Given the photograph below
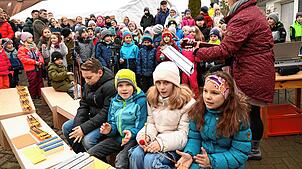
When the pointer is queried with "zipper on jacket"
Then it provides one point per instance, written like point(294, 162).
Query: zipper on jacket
point(120, 118)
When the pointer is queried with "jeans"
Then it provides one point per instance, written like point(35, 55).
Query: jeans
point(110, 146)
point(139, 159)
point(88, 141)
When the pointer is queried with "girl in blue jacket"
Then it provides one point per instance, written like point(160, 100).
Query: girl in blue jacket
point(219, 134)
point(126, 116)
point(128, 53)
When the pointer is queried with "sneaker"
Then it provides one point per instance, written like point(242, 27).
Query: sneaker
point(255, 155)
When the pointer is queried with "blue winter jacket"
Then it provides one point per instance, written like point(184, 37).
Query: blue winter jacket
point(160, 18)
point(130, 114)
point(103, 53)
point(223, 152)
point(129, 51)
point(146, 61)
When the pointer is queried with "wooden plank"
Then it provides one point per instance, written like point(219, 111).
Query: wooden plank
point(10, 105)
point(297, 76)
point(290, 84)
point(11, 130)
point(54, 98)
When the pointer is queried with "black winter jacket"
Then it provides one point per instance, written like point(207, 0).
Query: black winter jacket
point(95, 102)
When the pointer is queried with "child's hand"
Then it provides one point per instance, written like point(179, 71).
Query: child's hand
point(153, 147)
point(121, 61)
point(162, 57)
point(202, 159)
point(105, 128)
point(185, 160)
point(127, 137)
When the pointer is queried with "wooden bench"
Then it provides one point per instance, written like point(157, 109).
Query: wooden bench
point(10, 106)
point(53, 99)
point(11, 130)
point(67, 110)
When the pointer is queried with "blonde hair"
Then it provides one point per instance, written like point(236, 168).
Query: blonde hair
point(180, 97)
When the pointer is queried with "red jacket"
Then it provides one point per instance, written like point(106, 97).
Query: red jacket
point(27, 59)
point(207, 19)
point(4, 63)
point(6, 30)
point(249, 40)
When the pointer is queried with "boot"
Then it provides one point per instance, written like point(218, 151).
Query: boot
point(255, 154)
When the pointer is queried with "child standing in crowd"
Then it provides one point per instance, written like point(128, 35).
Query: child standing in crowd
point(68, 40)
point(4, 68)
point(157, 30)
point(186, 30)
point(167, 40)
point(202, 26)
point(128, 53)
point(146, 63)
point(135, 32)
point(32, 61)
point(126, 116)
point(44, 39)
point(55, 44)
point(103, 51)
point(12, 54)
point(192, 79)
point(167, 122)
point(219, 134)
point(61, 79)
point(83, 45)
point(215, 36)
point(188, 20)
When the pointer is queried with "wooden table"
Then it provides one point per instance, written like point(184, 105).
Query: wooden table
point(12, 130)
point(10, 106)
point(67, 110)
point(54, 98)
point(285, 82)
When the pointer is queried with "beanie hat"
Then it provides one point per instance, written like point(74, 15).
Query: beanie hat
point(173, 9)
point(167, 71)
point(6, 41)
point(199, 18)
point(55, 56)
point(298, 14)
point(65, 32)
point(25, 36)
point(204, 9)
point(163, 2)
point(91, 22)
point(274, 16)
point(147, 37)
point(126, 33)
point(188, 11)
point(146, 9)
point(105, 33)
point(125, 75)
point(112, 31)
point(171, 22)
point(166, 32)
point(81, 30)
point(215, 31)
point(98, 29)
point(157, 29)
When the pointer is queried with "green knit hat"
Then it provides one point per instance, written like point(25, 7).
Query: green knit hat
point(125, 75)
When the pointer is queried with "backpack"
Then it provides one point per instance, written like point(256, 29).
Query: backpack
point(15, 62)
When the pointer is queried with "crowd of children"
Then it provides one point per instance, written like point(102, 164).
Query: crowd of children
point(160, 117)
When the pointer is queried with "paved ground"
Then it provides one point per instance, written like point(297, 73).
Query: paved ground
point(278, 152)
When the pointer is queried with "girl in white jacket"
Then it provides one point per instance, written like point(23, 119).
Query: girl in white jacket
point(55, 44)
point(167, 123)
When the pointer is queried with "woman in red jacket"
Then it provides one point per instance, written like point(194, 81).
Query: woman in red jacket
point(32, 61)
point(4, 68)
point(249, 43)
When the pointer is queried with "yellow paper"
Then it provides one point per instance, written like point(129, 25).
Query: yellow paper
point(34, 154)
point(100, 164)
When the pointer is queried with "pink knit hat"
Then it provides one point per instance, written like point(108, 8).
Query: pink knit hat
point(25, 36)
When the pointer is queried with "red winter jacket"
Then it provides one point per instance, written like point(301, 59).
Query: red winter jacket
point(25, 57)
point(249, 40)
point(6, 30)
point(208, 19)
point(4, 63)
point(158, 53)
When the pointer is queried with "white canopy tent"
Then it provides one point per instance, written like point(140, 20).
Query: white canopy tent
point(120, 8)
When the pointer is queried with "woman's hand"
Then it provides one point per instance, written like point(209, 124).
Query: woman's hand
point(185, 160)
point(202, 159)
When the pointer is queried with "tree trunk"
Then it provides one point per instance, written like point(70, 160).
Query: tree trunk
point(195, 5)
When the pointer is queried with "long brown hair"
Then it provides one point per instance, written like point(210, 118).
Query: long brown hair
point(235, 110)
point(180, 97)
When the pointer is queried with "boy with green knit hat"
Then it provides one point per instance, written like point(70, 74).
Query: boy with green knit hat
point(126, 116)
